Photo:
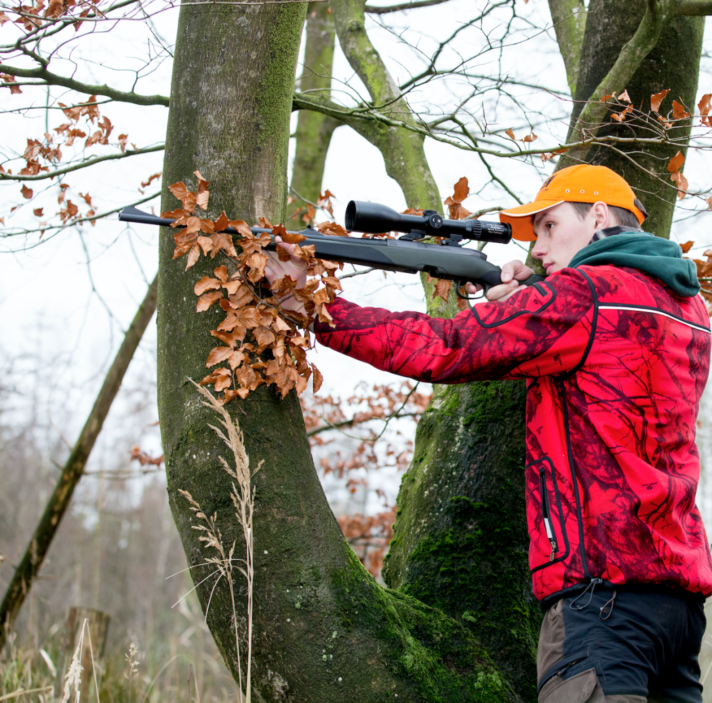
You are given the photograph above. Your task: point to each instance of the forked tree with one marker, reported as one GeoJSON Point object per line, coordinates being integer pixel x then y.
{"type": "Point", "coordinates": [457, 621]}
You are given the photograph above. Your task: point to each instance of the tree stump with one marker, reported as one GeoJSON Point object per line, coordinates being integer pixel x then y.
{"type": "Point", "coordinates": [92, 649]}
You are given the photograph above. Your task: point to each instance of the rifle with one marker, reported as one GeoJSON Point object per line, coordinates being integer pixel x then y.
{"type": "Point", "coordinates": [448, 260]}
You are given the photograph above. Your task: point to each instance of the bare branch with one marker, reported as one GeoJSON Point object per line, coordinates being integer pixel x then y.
{"type": "Point", "coordinates": [402, 6]}
{"type": "Point", "coordinates": [50, 78]}
{"type": "Point", "coordinates": [81, 164]}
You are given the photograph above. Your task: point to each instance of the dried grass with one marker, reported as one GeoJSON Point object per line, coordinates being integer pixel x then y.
{"type": "Point", "coordinates": [243, 500]}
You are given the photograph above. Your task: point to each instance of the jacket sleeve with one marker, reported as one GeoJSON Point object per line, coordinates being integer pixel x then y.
{"type": "Point", "coordinates": [542, 330]}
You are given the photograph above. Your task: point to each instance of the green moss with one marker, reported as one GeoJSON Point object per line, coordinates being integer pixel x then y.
{"type": "Point", "coordinates": [441, 659]}
{"type": "Point", "coordinates": [462, 538]}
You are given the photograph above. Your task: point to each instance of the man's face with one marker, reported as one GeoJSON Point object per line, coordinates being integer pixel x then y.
{"type": "Point", "coordinates": [561, 233]}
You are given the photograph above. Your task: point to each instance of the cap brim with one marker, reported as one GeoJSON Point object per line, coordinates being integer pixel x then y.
{"type": "Point", "coordinates": [521, 218]}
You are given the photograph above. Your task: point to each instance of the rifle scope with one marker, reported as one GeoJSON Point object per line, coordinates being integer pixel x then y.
{"type": "Point", "coordinates": [373, 218]}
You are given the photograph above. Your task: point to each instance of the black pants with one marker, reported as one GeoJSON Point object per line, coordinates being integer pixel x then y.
{"type": "Point", "coordinates": [622, 646]}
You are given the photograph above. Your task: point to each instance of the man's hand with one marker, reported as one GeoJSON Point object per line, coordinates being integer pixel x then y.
{"type": "Point", "coordinates": [295, 268]}
{"type": "Point", "coordinates": [512, 273]}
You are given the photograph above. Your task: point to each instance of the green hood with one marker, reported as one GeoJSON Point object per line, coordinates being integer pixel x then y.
{"type": "Point", "coordinates": [657, 257]}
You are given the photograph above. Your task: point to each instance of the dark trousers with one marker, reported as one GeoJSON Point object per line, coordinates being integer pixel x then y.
{"type": "Point", "coordinates": [621, 647]}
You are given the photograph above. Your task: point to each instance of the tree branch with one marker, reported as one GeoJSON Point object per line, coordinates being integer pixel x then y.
{"type": "Point", "coordinates": [73, 469]}
{"type": "Point", "coordinates": [83, 164]}
{"type": "Point", "coordinates": [55, 79]}
{"type": "Point", "coordinates": [372, 9]}
{"type": "Point", "coordinates": [569, 17]}
{"type": "Point", "coordinates": [657, 13]}
{"type": "Point", "coordinates": [694, 8]}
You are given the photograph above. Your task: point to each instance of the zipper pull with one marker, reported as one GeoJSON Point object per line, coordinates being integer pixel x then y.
{"type": "Point", "coordinates": [553, 549]}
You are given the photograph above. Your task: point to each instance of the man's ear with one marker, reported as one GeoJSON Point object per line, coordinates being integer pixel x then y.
{"type": "Point", "coordinates": [602, 215]}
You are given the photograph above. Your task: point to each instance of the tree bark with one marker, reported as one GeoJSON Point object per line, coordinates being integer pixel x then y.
{"type": "Point", "coordinates": [314, 130]}
{"type": "Point", "coordinates": [73, 469]}
{"type": "Point", "coordinates": [324, 629]}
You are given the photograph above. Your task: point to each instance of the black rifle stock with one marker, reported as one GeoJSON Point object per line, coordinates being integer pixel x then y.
{"type": "Point", "coordinates": [449, 260]}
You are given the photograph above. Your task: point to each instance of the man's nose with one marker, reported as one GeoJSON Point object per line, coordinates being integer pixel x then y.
{"type": "Point", "coordinates": [538, 250]}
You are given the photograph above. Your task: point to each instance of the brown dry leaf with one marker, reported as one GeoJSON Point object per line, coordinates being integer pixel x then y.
{"type": "Point", "coordinates": [193, 256]}
{"type": "Point", "coordinates": [221, 223]}
{"type": "Point", "coordinates": [241, 226]}
{"type": "Point", "coordinates": [205, 284]}
{"type": "Point", "coordinates": [620, 116]}
{"type": "Point", "coordinates": [530, 138]}
{"type": "Point", "coordinates": [203, 193]}
{"type": "Point", "coordinates": [332, 228]}
{"type": "Point", "coordinates": [265, 223]}
{"type": "Point", "coordinates": [220, 377]}
{"type": "Point", "coordinates": [37, 212]}
{"type": "Point", "coordinates": [290, 237]}
{"type": "Point", "coordinates": [264, 338]}
{"type": "Point", "coordinates": [222, 241]}
{"type": "Point", "coordinates": [675, 163]}
{"type": "Point", "coordinates": [510, 134]}
{"type": "Point", "coordinates": [624, 97]}
{"type": "Point", "coordinates": [308, 216]}
{"type": "Point", "coordinates": [704, 106]}
{"type": "Point", "coordinates": [686, 247]}
{"type": "Point", "coordinates": [607, 97]}
{"type": "Point", "coordinates": [708, 201]}
{"type": "Point", "coordinates": [151, 178]}
{"type": "Point", "coordinates": [207, 300]}
{"type": "Point", "coordinates": [187, 197]}
{"type": "Point", "coordinates": [442, 289]}
{"type": "Point", "coordinates": [221, 274]}
{"type": "Point", "coordinates": [678, 111]}
{"type": "Point", "coordinates": [27, 193]}
{"type": "Point", "coordinates": [412, 211]}
{"type": "Point", "coordinates": [206, 244]}
{"type": "Point", "coordinates": [317, 379]}
{"type": "Point", "coordinates": [656, 99]}
{"type": "Point", "coordinates": [681, 183]}
{"type": "Point", "coordinates": [462, 190]}
{"type": "Point", "coordinates": [217, 355]}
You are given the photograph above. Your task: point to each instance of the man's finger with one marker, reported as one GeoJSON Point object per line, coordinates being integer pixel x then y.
{"type": "Point", "coordinates": [500, 293]}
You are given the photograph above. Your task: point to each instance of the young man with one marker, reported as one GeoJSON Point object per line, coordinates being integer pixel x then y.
{"type": "Point", "coordinates": [615, 346]}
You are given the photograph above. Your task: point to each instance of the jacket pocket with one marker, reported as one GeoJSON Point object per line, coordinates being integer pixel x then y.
{"type": "Point", "coordinates": [547, 527]}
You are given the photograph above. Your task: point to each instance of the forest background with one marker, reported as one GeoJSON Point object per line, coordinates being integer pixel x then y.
{"type": "Point", "coordinates": [67, 297]}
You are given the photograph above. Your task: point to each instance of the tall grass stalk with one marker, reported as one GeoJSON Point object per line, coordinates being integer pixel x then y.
{"type": "Point", "coordinates": [243, 500]}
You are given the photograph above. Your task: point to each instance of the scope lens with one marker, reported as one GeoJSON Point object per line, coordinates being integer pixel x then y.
{"type": "Point", "coordinates": [351, 216]}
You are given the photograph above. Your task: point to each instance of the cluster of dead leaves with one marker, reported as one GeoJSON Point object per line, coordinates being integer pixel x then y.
{"type": "Point", "coordinates": [526, 140]}
{"type": "Point", "coordinates": [41, 13]}
{"type": "Point", "coordinates": [456, 211]}
{"type": "Point", "coordinates": [676, 176]}
{"type": "Point", "coordinates": [261, 342]}
{"type": "Point", "coordinates": [364, 412]}
{"type": "Point", "coordinates": [144, 459]}
{"type": "Point", "coordinates": [41, 155]}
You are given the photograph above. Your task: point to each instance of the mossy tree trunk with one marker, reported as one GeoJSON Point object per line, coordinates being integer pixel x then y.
{"type": "Point", "coordinates": [314, 130]}
{"type": "Point", "coordinates": [324, 629]}
{"type": "Point", "coordinates": [673, 64]}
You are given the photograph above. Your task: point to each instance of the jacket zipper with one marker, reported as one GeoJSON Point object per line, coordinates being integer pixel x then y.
{"type": "Point", "coordinates": [547, 515]}
{"type": "Point", "coordinates": [574, 482]}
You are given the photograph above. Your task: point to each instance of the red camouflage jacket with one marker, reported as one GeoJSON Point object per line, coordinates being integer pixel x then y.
{"type": "Point", "coordinates": [616, 364]}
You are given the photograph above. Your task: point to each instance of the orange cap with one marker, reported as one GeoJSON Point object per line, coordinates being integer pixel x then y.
{"type": "Point", "coordinates": [575, 184]}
